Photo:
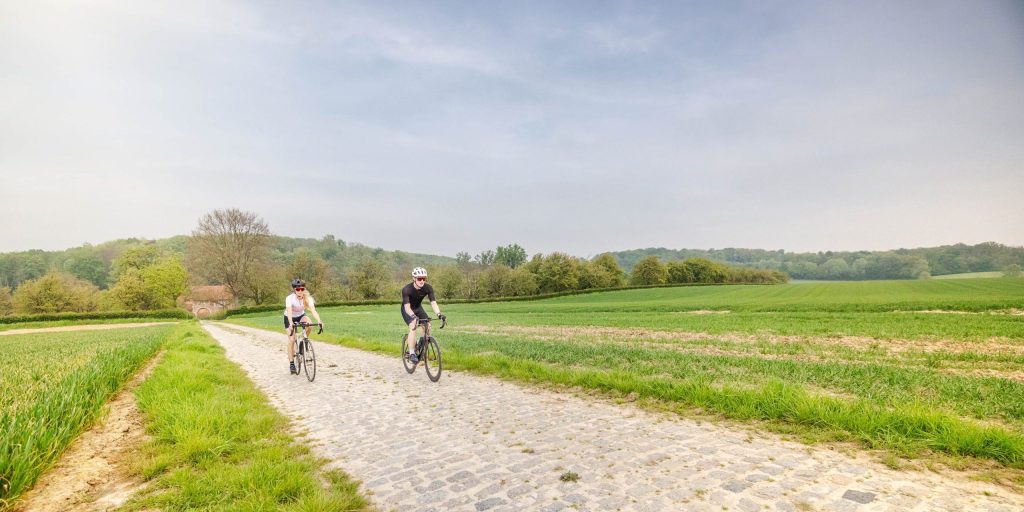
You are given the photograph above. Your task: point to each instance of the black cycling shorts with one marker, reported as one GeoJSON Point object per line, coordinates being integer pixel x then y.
{"type": "Point", "coordinates": [419, 313]}
{"type": "Point", "coordinates": [295, 319]}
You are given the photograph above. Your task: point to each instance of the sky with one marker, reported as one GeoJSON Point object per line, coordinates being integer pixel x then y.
{"type": "Point", "coordinates": [581, 127]}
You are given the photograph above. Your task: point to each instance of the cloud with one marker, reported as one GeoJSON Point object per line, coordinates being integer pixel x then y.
{"type": "Point", "coordinates": [576, 127]}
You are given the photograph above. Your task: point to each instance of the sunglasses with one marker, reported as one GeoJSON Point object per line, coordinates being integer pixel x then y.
{"type": "Point", "coordinates": [421, 279]}
{"type": "Point", "coordinates": [300, 289]}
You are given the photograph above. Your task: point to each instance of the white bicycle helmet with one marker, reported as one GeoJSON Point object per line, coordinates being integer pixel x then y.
{"type": "Point", "coordinates": [419, 272]}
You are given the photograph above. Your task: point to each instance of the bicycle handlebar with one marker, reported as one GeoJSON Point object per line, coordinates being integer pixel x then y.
{"type": "Point", "coordinates": [304, 325]}
{"type": "Point", "coordinates": [444, 321]}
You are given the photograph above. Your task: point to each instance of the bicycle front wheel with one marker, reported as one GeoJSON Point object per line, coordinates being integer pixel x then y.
{"type": "Point", "coordinates": [432, 359]}
{"type": "Point", "coordinates": [309, 360]}
{"type": "Point", "coordinates": [409, 367]}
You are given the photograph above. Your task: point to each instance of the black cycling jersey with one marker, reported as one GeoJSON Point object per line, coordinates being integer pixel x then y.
{"type": "Point", "coordinates": [414, 297]}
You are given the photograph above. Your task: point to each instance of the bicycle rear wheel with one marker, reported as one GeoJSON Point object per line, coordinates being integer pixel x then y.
{"type": "Point", "coordinates": [432, 359]}
{"type": "Point", "coordinates": [297, 357]}
{"type": "Point", "coordinates": [409, 367]}
{"type": "Point", "coordinates": [309, 359]}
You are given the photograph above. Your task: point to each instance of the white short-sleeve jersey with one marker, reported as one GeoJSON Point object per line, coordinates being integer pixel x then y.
{"type": "Point", "coordinates": [294, 304]}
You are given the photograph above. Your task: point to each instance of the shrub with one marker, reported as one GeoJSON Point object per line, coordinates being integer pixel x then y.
{"type": "Point", "coordinates": [649, 271]}
{"type": "Point", "coordinates": [6, 304]}
{"type": "Point", "coordinates": [558, 272]}
{"type": "Point", "coordinates": [55, 292]}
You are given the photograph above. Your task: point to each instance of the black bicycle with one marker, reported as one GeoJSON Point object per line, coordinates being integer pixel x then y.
{"type": "Point", "coordinates": [428, 351]}
{"type": "Point", "coordinates": [305, 357]}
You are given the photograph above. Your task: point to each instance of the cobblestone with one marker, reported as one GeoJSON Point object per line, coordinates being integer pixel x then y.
{"type": "Point", "coordinates": [474, 443]}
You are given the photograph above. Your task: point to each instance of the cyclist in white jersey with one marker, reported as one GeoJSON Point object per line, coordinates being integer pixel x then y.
{"type": "Point", "coordinates": [295, 306]}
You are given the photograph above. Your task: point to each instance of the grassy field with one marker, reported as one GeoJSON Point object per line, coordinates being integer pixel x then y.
{"type": "Point", "coordinates": [54, 385]}
{"type": "Point", "coordinates": [64, 323]}
{"type": "Point", "coordinates": [859, 362]}
{"type": "Point", "coordinates": [218, 445]}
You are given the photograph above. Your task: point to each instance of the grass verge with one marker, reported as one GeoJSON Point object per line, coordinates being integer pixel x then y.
{"type": "Point", "coordinates": [218, 444]}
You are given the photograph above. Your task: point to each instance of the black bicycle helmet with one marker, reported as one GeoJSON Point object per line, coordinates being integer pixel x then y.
{"type": "Point", "coordinates": [298, 282]}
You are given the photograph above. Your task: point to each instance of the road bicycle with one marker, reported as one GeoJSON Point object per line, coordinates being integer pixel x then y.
{"type": "Point", "coordinates": [428, 350]}
{"type": "Point", "coordinates": [302, 347]}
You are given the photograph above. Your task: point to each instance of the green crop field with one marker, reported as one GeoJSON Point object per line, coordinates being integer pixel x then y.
{"type": "Point", "coordinates": [54, 385]}
{"type": "Point", "coordinates": [917, 368]}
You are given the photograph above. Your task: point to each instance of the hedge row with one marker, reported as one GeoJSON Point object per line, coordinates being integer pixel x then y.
{"type": "Point", "coordinates": [47, 317]}
{"type": "Point", "coordinates": [245, 310]}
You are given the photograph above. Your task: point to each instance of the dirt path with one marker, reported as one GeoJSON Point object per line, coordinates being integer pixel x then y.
{"type": "Point", "coordinates": [92, 475]}
{"type": "Point", "coordinates": [93, 327]}
{"type": "Point", "coordinates": [476, 443]}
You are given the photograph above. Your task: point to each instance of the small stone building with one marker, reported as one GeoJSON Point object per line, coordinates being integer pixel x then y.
{"type": "Point", "coordinates": [204, 301]}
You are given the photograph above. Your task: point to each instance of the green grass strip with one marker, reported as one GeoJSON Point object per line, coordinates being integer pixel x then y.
{"type": "Point", "coordinates": [218, 444]}
{"type": "Point", "coordinates": [33, 437]}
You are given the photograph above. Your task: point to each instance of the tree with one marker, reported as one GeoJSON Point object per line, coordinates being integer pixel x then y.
{"type": "Point", "coordinates": [462, 259]}
{"type": "Point", "coordinates": [649, 271]}
{"type": "Point", "coordinates": [166, 280]}
{"type": "Point", "coordinates": [611, 265]}
{"type": "Point", "coordinates": [836, 268]}
{"type": "Point", "coordinates": [593, 275]}
{"type": "Point", "coordinates": [270, 281]}
{"type": "Point", "coordinates": [679, 272]}
{"type": "Point", "coordinates": [534, 264]}
{"type": "Point", "coordinates": [558, 272]}
{"type": "Point", "coordinates": [19, 267]}
{"type": "Point", "coordinates": [6, 304]}
{"type": "Point", "coordinates": [230, 247]}
{"type": "Point", "coordinates": [55, 292]}
{"type": "Point", "coordinates": [1013, 270]}
{"type": "Point", "coordinates": [519, 282]}
{"type": "Point", "coordinates": [447, 281]}
{"type": "Point", "coordinates": [370, 278]}
{"type": "Point", "coordinates": [155, 286]}
{"type": "Point", "coordinates": [88, 267]}
{"type": "Point", "coordinates": [706, 271]}
{"type": "Point", "coordinates": [311, 268]}
{"type": "Point", "coordinates": [485, 258]}
{"type": "Point", "coordinates": [130, 293]}
{"type": "Point", "coordinates": [491, 280]}
{"type": "Point", "coordinates": [134, 258]}
{"type": "Point", "coordinates": [511, 255]}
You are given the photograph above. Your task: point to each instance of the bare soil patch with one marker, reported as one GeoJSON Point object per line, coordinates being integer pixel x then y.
{"type": "Point", "coordinates": [93, 327]}
{"type": "Point", "coordinates": [893, 346]}
{"type": "Point", "coordinates": [93, 474]}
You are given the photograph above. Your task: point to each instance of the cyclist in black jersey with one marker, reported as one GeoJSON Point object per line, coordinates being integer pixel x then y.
{"type": "Point", "coordinates": [412, 306]}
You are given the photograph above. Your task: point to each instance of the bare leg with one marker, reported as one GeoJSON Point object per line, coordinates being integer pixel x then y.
{"type": "Point", "coordinates": [410, 339]}
{"type": "Point", "coordinates": [291, 346]}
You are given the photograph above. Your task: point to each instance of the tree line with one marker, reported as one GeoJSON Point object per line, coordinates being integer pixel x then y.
{"type": "Point", "coordinates": [853, 265]}
{"type": "Point", "coordinates": [236, 249]}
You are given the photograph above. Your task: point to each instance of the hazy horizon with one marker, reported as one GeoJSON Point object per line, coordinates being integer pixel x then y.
{"type": "Point", "coordinates": [580, 127]}
{"type": "Point", "coordinates": [529, 252]}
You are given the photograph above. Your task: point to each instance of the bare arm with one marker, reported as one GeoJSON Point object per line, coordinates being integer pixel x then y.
{"type": "Point", "coordinates": [434, 306]}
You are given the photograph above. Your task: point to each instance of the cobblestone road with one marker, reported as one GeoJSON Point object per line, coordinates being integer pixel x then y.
{"type": "Point", "coordinates": [481, 444]}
